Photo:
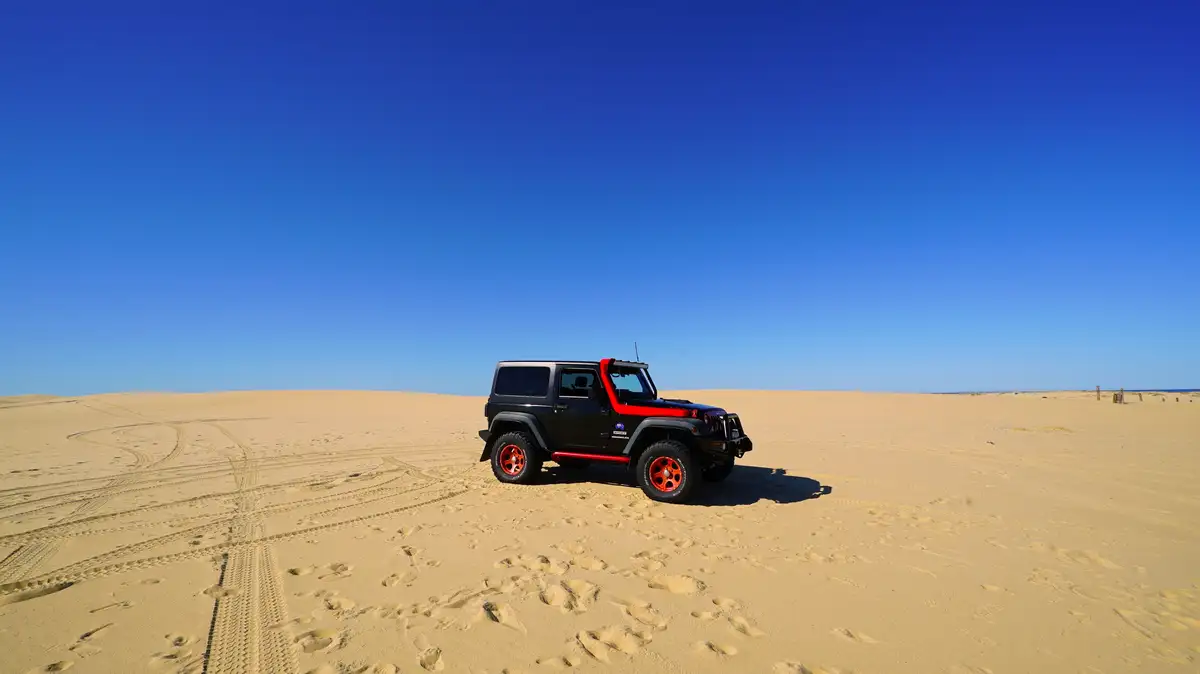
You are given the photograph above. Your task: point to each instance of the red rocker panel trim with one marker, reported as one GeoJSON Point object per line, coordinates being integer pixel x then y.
{"type": "Point", "coordinates": [590, 457]}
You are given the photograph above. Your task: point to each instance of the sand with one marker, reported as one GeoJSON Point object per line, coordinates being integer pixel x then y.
{"type": "Point", "coordinates": [357, 532]}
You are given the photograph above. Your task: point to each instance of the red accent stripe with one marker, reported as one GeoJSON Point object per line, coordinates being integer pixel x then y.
{"type": "Point", "coordinates": [590, 457]}
{"type": "Point", "coordinates": [633, 410]}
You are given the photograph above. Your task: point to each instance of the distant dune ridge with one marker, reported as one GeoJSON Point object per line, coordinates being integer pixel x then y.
{"type": "Point", "coordinates": [340, 532]}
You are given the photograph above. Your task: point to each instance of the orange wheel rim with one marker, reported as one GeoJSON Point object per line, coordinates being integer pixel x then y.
{"type": "Point", "coordinates": [512, 460]}
{"type": "Point", "coordinates": [666, 474]}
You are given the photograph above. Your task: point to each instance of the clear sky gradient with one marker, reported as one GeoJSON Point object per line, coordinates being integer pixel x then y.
{"type": "Point", "coordinates": [806, 195]}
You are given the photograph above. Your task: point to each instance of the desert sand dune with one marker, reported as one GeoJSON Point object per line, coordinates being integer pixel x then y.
{"type": "Point", "coordinates": [342, 532]}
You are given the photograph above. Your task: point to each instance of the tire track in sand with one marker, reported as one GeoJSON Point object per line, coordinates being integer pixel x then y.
{"type": "Point", "coordinates": [154, 478]}
{"type": "Point", "coordinates": [64, 576]}
{"type": "Point", "coordinates": [228, 522]}
{"type": "Point", "coordinates": [86, 526]}
{"type": "Point", "coordinates": [26, 559]}
{"type": "Point", "coordinates": [245, 636]}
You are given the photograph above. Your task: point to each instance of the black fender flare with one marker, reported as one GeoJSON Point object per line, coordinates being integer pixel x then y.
{"type": "Point", "coordinates": [690, 426]}
{"type": "Point", "coordinates": [525, 419]}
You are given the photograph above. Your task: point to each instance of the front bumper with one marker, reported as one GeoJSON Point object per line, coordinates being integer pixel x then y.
{"type": "Point", "coordinates": [727, 448]}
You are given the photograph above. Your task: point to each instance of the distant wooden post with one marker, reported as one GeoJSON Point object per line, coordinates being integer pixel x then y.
{"type": "Point", "coordinates": [1140, 397]}
{"type": "Point", "coordinates": [1097, 393]}
{"type": "Point", "coordinates": [1122, 395]}
{"type": "Point", "coordinates": [1115, 398]}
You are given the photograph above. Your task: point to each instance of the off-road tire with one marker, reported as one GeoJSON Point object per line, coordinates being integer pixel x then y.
{"type": "Point", "coordinates": [717, 472]}
{"type": "Point", "coordinates": [516, 459]}
{"type": "Point", "coordinates": [676, 472]}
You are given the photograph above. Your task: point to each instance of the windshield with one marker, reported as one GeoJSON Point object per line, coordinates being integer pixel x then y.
{"type": "Point", "coordinates": [632, 384]}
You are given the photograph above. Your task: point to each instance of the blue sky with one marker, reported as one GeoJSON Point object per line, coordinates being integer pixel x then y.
{"type": "Point", "coordinates": [852, 195]}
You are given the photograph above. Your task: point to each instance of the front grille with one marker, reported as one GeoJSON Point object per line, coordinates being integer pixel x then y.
{"type": "Point", "coordinates": [724, 425]}
{"type": "Point", "coordinates": [732, 424]}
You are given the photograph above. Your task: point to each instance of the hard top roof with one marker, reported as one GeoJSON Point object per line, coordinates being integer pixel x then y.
{"type": "Point", "coordinates": [618, 363]}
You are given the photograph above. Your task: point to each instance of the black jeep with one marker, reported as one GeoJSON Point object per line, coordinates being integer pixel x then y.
{"type": "Point", "coordinates": [577, 412]}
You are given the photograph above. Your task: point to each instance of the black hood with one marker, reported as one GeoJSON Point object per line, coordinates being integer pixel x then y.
{"type": "Point", "coordinates": [675, 403]}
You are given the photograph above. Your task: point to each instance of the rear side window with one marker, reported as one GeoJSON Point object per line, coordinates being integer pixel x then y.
{"type": "Point", "coordinates": [520, 380]}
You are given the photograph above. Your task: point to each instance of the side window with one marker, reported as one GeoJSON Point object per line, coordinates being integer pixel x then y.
{"type": "Point", "coordinates": [519, 380]}
{"type": "Point", "coordinates": [575, 383]}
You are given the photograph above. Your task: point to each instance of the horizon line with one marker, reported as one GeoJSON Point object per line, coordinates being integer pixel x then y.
{"type": "Point", "coordinates": [715, 390]}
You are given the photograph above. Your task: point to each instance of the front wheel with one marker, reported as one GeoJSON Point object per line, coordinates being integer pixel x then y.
{"type": "Point", "coordinates": [667, 472]}
{"type": "Point", "coordinates": [515, 459]}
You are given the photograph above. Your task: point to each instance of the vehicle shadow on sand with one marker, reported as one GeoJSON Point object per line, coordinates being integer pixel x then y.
{"type": "Point", "coordinates": [746, 485]}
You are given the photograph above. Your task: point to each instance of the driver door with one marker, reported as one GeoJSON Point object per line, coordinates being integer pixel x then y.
{"type": "Point", "coordinates": [581, 419]}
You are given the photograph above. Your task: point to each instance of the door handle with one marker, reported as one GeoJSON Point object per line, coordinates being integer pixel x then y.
{"type": "Point", "coordinates": [560, 407]}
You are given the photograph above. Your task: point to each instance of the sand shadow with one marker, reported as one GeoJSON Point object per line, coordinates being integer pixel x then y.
{"type": "Point", "coordinates": [751, 484]}
{"type": "Point", "coordinates": [746, 485]}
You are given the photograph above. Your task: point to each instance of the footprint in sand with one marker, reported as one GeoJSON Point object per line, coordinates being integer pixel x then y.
{"type": "Point", "coordinates": [501, 614]}
{"type": "Point", "coordinates": [119, 604]}
{"type": "Point", "coordinates": [540, 563]}
{"type": "Point", "coordinates": [218, 592]}
{"type": "Point", "coordinates": [656, 555]}
{"type": "Point", "coordinates": [503, 585]}
{"type": "Point", "coordinates": [790, 667]}
{"type": "Point", "coordinates": [745, 626]}
{"type": "Point", "coordinates": [571, 548]}
{"type": "Point", "coordinates": [589, 563]}
{"type": "Point", "coordinates": [301, 570]}
{"type": "Point", "coordinates": [677, 584]}
{"type": "Point", "coordinates": [395, 579]}
{"type": "Point", "coordinates": [339, 604]}
{"type": "Point", "coordinates": [715, 648]}
{"type": "Point", "coordinates": [429, 657]}
{"type": "Point", "coordinates": [84, 647]}
{"type": "Point", "coordinates": [727, 604]}
{"type": "Point", "coordinates": [319, 641]}
{"type": "Point", "coordinates": [852, 636]}
{"type": "Point", "coordinates": [337, 570]}
{"type": "Point", "coordinates": [706, 615]}
{"type": "Point", "coordinates": [600, 643]}
{"type": "Point", "coordinates": [377, 668]}
{"type": "Point", "coordinates": [572, 596]}
{"type": "Point", "coordinates": [84, 650]}
{"type": "Point", "coordinates": [180, 640]}
{"type": "Point", "coordinates": [643, 612]}
{"type": "Point", "coordinates": [60, 666]}
{"type": "Point", "coordinates": [181, 649]}
{"type": "Point", "coordinates": [560, 662]}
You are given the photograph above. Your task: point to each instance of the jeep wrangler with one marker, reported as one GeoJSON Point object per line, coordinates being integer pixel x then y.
{"type": "Point", "coordinates": [578, 412]}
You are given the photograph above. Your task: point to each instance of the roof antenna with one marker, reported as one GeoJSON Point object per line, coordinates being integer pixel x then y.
{"type": "Point", "coordinates": [636, 357]}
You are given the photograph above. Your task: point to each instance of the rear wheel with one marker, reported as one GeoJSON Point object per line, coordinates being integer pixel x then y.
{"type": "Point", "coordinates": [515, 459]}
{"type": "Point", "coordinates": [717, 472]}
{"type": "Point", "coordinates": [667, 472]}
